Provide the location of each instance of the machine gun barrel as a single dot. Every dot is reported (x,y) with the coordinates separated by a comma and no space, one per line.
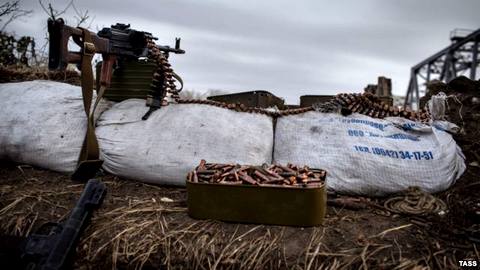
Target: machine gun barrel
(168,49)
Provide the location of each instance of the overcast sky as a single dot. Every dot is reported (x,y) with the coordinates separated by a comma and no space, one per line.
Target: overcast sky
(290,48)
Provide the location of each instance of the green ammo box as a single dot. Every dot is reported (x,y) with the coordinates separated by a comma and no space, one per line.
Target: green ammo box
(131,80)
(257,98)
(309,100)
(291,206)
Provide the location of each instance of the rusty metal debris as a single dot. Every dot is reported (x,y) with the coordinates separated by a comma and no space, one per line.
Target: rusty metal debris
(265,175)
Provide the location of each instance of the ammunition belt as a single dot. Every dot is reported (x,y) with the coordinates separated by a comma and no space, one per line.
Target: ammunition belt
(369,104)
(163,81)
(365,103)
(242,108)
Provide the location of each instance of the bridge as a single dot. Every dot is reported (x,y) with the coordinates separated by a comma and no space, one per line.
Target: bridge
(460,58)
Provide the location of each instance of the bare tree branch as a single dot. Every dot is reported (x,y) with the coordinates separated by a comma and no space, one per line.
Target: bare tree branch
(53,13)
(82,17)
(91,21)
(13,11)
(66,8)
(8,8)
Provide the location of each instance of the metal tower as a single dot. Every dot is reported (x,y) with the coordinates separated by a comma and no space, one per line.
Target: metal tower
(460,58)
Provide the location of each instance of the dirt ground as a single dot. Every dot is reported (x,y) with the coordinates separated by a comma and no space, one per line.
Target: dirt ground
(137,227)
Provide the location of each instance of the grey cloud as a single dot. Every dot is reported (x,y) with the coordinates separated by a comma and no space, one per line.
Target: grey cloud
(291,47)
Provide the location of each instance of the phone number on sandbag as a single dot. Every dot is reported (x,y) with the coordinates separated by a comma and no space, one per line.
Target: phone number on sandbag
(414,155)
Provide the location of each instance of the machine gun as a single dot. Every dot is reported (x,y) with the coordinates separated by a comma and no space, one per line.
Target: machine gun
(53,247)
(115,43)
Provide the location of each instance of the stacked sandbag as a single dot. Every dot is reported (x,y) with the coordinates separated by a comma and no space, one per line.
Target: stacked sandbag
(368,156)
(42,123)
(164,148)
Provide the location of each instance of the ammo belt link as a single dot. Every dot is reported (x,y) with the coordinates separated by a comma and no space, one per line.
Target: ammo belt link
(242,108)
(164,77)
(365,103)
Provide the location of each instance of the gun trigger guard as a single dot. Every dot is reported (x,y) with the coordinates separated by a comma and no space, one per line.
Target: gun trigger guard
(88,49)
(49,228)
(49,224)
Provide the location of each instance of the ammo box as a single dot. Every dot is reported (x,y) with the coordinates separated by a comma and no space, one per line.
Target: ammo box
(277,205)
(256,98)
(131,80)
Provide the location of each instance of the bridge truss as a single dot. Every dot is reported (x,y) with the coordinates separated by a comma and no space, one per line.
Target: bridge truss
(460,58)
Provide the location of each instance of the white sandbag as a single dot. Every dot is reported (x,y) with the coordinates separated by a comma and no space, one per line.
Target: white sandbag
(368,156)
(42,123)
(436,106)
(164,148)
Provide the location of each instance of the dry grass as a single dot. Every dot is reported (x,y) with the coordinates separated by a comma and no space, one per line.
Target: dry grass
(136,229)
(21,73)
